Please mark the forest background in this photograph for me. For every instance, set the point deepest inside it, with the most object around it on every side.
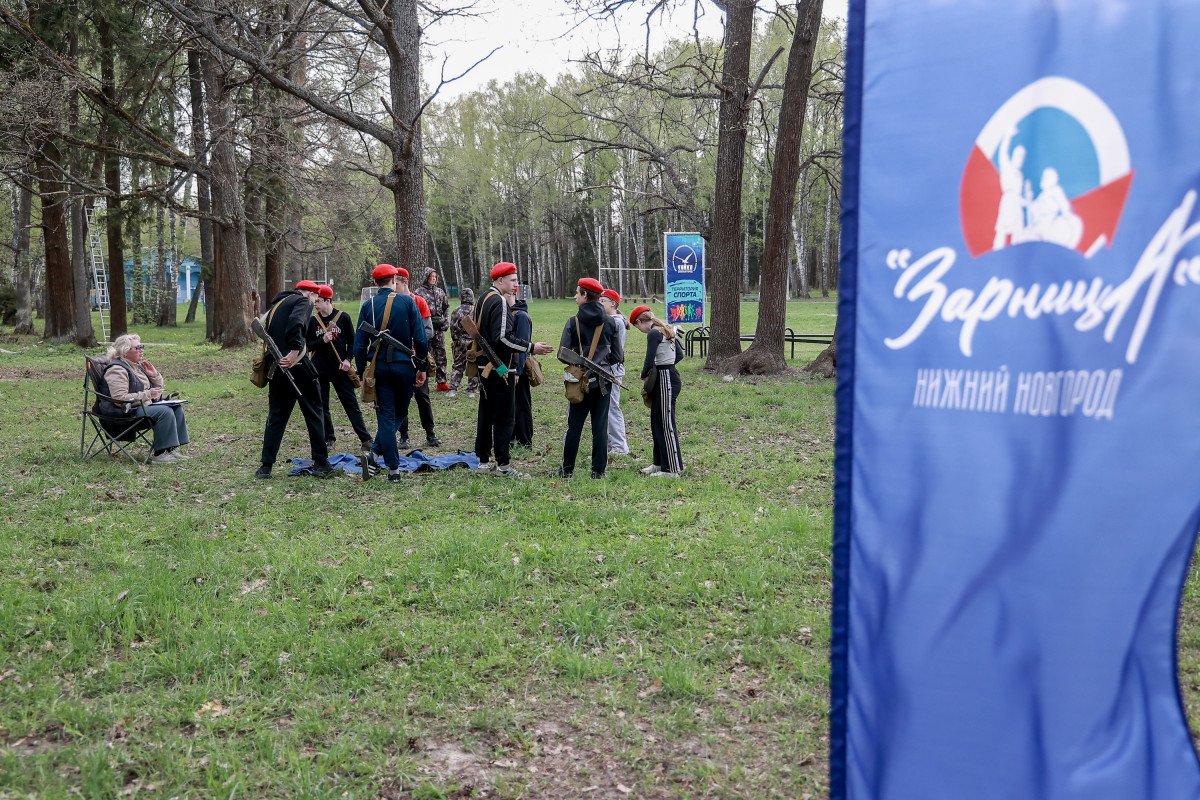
(277, 142)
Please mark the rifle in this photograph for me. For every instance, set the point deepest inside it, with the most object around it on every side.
(468, 325)
(391, 341)
(569, 356)
(257, 328)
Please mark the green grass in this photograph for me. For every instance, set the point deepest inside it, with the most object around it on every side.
(188, 631)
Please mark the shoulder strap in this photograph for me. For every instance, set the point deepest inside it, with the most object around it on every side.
(595, 341)
(387, 314)
(270, 316)
(477, 311)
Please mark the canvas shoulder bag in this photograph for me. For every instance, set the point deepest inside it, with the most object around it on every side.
(577, 389)
(258, 367)
(368, 377)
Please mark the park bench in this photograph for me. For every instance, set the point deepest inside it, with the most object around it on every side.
(700, 336)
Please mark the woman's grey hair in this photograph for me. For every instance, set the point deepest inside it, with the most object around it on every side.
(122, 345)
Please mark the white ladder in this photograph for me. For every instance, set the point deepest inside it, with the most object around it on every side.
(99, 274)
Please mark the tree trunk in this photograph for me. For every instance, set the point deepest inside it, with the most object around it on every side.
(273, 261)
(235, 301)
(133, 230)
(765, 355)
(725, 242)
(294, 261)
(203, 195)
(113, 221)
(60, 283)
(825, 244)
(745, 253)
(85, 333)
(799, 234)
(176, 265)
(406, 179)
(163, 296)
(22, 267)
(458, 271)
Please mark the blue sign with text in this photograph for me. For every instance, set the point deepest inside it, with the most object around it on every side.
(683, 263)
(1018, 469)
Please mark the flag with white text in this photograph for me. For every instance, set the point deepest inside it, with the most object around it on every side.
(1018, 468)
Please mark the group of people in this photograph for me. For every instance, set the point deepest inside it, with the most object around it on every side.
(396, 348)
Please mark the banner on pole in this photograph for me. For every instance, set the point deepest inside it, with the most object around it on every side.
(1018, 468)
(683, 264)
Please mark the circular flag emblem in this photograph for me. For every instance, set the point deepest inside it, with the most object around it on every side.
(1051, 165)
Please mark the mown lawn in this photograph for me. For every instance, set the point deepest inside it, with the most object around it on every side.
(186, 631)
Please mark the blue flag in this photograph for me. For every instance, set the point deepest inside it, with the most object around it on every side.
(1018, 461)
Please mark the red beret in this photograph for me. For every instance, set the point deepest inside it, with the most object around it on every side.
(401, 272)
(383, 271)
(306, 286)
(637, 312)
(504, 268)
(611, 294)
(591, 284)
(325, 291)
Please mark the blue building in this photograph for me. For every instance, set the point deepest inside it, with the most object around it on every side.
(187, 281)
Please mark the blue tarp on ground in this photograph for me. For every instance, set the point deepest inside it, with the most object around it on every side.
(415, 461)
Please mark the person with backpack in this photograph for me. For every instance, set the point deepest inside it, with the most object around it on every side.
(661, 388)
(331, 342)
(421, 392)
(594, 334)
(395, 373)
(461, 340)
(136, 385)
(493, 317)
(287, 325)
(439, 306)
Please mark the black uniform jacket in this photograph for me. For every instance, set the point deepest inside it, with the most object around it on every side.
(608, 349)
(288, 323)
(497, 325)
(328, 356)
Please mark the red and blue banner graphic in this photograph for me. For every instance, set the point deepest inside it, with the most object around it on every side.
(683, 265)
(1018, 459)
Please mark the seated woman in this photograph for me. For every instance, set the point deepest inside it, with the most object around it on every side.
(135, 385)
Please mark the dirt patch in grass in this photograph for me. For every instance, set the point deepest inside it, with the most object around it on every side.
(582, 749)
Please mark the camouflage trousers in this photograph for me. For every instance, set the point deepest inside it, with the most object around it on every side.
(437, 354)
(460, 367)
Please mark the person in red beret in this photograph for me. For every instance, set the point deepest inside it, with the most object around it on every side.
(397, 374)
(286, 322)
(420, 393)
(497, 394)
(331, 342)
(618, 445)
(594, 334)
(662, 384)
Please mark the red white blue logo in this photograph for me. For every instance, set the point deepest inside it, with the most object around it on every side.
(1051, 165)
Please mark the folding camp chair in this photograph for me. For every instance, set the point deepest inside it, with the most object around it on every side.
(111, 435)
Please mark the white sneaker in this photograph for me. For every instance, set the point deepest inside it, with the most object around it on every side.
(179, 456)
(650, 470)
(664, 474)
(164, 457)
(488, 467)
(471, 395)
(452, 393)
